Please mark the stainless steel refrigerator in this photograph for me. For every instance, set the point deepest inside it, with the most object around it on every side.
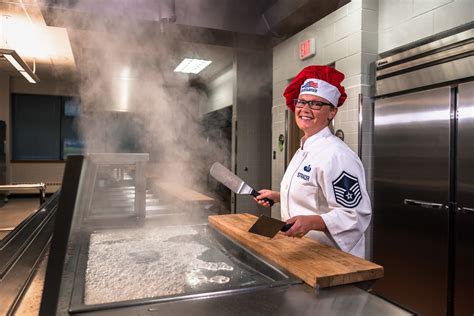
(423, 229)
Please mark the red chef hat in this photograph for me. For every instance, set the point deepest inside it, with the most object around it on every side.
(322, 81)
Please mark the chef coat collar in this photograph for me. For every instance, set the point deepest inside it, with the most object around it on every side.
(324, 133)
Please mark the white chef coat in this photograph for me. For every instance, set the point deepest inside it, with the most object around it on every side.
(326, 177)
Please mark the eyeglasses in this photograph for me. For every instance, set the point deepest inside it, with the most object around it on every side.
(313, 105)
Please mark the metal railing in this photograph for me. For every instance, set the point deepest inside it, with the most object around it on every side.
(40, 186)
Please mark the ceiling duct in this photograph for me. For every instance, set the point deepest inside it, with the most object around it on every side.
(163, 11)
(258, 17)
(166, 12)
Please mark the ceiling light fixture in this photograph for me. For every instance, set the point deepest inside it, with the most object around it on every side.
(191, 65)
(17, 62)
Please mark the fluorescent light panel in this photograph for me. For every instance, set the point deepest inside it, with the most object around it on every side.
(19, 65)
(28, 77)
(13, 61)
(190, 65)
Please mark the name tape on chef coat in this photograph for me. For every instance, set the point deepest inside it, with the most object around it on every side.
(304, 176)
(347, 190)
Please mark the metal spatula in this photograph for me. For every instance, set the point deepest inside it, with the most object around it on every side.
(230, 180)
(268, 226)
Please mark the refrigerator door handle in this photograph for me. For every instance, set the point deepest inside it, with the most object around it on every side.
(423, 204)
(466, 209)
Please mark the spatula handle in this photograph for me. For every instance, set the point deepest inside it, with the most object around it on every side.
(286, 227)
(255, 194)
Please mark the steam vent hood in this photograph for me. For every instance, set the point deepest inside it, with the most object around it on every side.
(261, 17)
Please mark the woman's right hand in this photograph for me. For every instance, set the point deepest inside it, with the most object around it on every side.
(269, 194)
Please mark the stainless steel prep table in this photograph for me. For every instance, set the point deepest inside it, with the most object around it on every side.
(297, 299)
(77, 219)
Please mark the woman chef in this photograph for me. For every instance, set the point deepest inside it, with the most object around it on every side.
(323, 191)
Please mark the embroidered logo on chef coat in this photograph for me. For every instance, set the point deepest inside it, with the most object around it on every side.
(347, 190)
(304, 176)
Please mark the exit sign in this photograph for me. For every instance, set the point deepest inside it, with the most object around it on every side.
(307, 48)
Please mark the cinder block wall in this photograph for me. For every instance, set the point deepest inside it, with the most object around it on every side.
(404, 21)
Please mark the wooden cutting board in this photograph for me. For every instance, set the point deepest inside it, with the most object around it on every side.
(182, 193)
(314, 263)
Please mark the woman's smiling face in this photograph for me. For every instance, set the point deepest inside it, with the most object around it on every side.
(312, 121)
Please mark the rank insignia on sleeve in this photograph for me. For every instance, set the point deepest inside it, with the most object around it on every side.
(347, 190)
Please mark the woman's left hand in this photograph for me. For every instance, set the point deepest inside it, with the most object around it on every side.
(302, 224)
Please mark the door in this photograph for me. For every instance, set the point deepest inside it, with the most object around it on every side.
(294, 136)
(464, 263)
(411, 187)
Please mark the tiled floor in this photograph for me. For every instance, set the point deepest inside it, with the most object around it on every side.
(12, 214)
(31, 300)
(15, 211)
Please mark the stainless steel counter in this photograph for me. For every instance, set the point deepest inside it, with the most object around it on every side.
(277, 299)
(297, 299)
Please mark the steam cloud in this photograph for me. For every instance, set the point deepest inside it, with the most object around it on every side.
(133, 102)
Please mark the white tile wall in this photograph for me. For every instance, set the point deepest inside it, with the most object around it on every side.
(366, 4)
(325, 35)
(348, 25)
(366, 42)
(357, 80)
(407, 32)
(336, 50)
(388, 40)
(337, 15)
(278, 97)
(394, 12)
(350, 65)
(453, 14)
(370, 4)
(423, 6)
(355, 43)
(368, 60)
(404, 21)
(280, 55)
(369, 20)
(369, 42)
(284, 72)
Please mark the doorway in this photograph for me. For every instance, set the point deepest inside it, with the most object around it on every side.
(217, 129)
